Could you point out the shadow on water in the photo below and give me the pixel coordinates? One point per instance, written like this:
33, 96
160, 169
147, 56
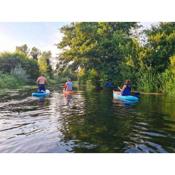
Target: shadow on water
92, 122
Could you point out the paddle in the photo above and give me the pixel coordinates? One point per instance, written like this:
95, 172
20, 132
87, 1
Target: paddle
119, 88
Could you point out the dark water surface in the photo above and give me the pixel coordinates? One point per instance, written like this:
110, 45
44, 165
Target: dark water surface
93, 122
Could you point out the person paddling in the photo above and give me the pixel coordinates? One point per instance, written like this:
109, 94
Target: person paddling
68, 85
67, 90
41, 81
126, 89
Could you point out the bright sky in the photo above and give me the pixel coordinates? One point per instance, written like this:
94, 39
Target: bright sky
43, 35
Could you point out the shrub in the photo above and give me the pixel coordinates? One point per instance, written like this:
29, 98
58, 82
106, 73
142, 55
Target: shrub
20, 73
10, 81
149, 81
9, 61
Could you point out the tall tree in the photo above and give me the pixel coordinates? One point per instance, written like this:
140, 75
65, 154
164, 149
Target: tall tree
44, 63
24, 49
160, 46
35, 52
99, 46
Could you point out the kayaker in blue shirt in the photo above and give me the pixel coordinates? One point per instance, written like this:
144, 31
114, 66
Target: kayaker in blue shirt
109, 84
68, 90
126, 89
68, 85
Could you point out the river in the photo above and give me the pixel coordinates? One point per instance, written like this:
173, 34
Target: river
93, 122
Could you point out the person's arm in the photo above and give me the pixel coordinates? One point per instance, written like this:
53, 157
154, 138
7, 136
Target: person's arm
37, 80
123, 88
119, 88
46, 81
65, 86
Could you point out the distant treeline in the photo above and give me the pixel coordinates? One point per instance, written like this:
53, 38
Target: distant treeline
23, 66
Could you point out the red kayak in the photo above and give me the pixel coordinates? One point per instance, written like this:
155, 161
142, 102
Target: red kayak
68, 93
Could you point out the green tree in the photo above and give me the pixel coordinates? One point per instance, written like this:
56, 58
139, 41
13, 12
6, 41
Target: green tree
35, 52
11, 61
160, 46
24, 49
44, 63
95, 46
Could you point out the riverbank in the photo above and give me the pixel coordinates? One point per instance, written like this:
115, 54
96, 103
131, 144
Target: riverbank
149, 93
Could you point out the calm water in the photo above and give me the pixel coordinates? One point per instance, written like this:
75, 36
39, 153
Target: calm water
93, 122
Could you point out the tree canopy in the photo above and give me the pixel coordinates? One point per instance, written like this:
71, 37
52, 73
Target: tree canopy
118, 51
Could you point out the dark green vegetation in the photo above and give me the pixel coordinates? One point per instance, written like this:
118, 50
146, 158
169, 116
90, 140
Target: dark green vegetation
97, 51
23, 67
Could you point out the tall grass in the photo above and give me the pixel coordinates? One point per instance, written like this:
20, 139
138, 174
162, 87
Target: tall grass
168, 81
149, 81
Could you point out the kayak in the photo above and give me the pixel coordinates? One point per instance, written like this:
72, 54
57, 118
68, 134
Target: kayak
129, 98
68, 92
41, 94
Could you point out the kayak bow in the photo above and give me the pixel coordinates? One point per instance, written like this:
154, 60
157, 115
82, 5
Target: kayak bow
41, 94
129, 98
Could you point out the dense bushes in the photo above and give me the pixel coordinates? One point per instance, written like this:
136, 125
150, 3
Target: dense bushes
10, 62
17, 69
10, 81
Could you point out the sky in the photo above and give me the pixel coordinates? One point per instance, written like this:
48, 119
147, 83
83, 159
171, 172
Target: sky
43, 35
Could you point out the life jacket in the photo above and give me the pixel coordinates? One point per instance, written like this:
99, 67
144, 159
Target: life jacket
127, 90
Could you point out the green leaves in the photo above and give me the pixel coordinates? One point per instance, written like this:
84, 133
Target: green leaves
44, 63
10, 61
99, 46
161, 41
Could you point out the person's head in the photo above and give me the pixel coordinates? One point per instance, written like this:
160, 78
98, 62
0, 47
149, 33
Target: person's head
127, 82
69, 79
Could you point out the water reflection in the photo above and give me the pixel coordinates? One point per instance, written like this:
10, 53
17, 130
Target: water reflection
92, 122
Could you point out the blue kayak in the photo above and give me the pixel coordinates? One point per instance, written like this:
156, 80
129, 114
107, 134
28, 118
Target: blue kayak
41, 94
129, 98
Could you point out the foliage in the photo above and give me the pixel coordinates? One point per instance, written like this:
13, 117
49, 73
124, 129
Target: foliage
149, 80
23, 49
44, 63
95, 46
20, 73
10, 81
160, 46
168, 78
96, 52
35, 52
9, 62
81, 74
